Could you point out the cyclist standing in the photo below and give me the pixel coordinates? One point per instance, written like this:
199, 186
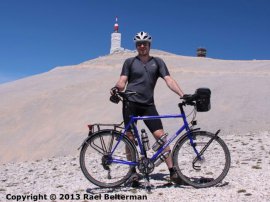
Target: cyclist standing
140, 75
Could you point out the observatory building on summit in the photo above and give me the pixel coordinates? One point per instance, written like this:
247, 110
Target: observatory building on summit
116, 42
116, 39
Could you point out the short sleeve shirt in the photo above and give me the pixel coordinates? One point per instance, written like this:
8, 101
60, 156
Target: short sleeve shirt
142, 78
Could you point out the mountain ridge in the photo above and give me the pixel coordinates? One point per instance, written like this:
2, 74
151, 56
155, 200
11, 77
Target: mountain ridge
47, 114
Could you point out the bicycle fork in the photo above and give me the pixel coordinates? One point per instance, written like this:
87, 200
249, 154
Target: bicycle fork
199, 155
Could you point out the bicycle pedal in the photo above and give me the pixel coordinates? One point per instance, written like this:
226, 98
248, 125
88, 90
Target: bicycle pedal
222, 184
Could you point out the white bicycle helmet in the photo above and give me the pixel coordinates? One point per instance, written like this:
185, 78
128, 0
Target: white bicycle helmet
142, 36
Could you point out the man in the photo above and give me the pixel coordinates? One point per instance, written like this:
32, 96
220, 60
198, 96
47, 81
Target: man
140, 75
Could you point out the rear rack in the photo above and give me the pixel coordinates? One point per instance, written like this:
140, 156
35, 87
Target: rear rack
98, 126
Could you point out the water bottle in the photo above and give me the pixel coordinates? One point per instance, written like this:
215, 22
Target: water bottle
145, 140
160, 142
162, 158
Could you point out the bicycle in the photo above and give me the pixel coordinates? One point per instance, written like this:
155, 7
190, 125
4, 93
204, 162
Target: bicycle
201, 158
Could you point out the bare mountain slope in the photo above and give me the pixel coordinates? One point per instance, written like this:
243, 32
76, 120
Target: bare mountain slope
47, 114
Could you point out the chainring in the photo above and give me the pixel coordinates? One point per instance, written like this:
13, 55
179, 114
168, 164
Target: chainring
146, 166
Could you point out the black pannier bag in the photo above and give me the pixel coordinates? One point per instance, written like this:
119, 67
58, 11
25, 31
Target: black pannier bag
203, 99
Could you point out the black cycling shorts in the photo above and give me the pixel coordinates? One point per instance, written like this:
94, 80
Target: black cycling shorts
137, 109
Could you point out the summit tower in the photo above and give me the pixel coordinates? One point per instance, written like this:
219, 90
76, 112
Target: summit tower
116, 39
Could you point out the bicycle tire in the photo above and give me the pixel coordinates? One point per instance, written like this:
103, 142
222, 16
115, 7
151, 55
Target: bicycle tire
214, 165
96, 148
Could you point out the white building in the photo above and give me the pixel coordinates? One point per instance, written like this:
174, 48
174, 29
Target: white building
116, 39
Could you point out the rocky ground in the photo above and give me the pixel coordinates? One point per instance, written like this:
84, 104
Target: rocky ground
247, 180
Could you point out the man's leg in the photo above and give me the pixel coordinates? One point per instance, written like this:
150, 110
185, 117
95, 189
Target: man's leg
134, 176
127, 111
128, 108
157, 134
173, 173
132, 139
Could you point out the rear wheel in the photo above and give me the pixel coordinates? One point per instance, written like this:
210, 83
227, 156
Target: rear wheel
211, 168
96, 159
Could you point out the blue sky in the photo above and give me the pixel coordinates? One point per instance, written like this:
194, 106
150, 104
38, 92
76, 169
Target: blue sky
38, 35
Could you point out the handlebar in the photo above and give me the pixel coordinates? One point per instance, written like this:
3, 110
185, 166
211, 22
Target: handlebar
188, 99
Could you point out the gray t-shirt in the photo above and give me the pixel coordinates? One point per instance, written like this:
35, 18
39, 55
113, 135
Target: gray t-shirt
142, 78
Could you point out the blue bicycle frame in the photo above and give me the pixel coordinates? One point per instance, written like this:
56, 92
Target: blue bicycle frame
133, 119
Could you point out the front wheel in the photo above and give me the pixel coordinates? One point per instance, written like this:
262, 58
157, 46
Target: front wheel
99, 165
207, 169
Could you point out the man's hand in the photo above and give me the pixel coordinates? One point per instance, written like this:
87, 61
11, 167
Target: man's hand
186, 97
189, 99
114, 97
114, 90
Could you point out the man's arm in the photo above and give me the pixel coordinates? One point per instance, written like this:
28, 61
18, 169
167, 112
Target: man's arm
172, 84
121, 83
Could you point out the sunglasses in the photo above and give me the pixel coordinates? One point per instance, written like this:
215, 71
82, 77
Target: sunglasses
144, 43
